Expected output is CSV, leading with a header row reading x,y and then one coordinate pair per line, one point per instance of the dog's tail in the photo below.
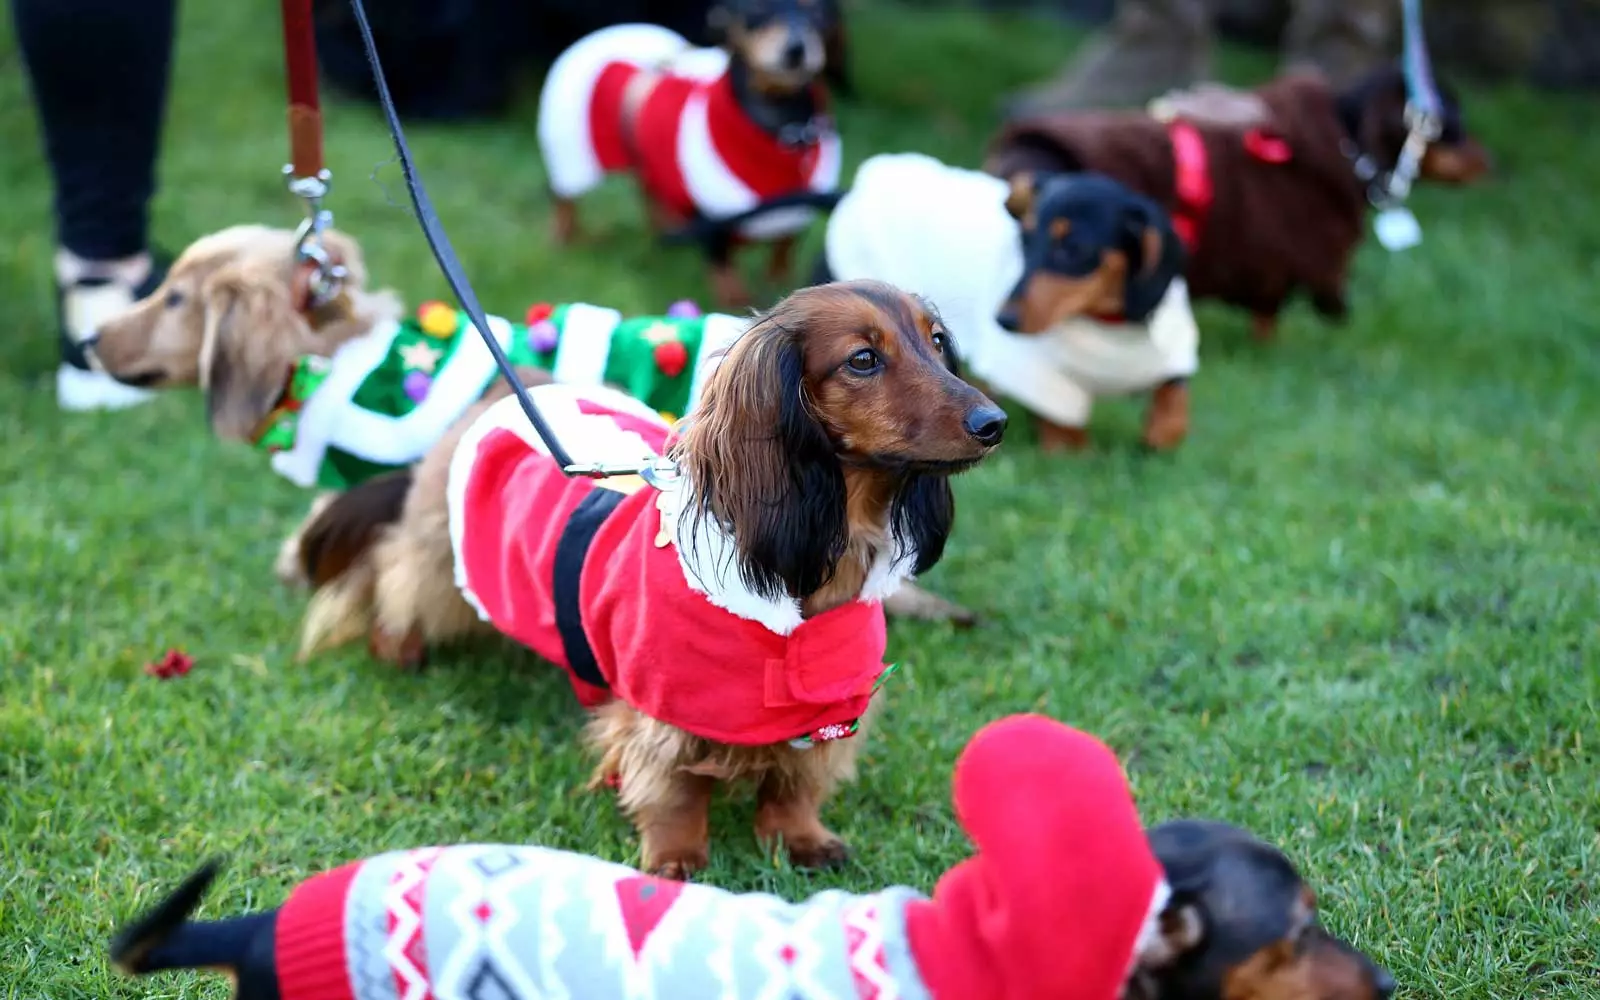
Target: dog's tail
x,y
335,555
164,938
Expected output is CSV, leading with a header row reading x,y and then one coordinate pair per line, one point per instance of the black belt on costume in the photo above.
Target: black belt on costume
x,y
571,549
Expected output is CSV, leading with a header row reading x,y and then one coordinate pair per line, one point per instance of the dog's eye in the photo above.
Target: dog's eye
x,y
863,361
174,299
940,341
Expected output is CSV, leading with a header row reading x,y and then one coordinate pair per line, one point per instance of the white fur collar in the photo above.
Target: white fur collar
x,y
706,554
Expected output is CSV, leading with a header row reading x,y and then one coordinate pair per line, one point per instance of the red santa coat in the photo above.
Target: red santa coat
x,y
597,581
692,147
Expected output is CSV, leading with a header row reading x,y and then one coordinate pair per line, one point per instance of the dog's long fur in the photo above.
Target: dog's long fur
x,y
813,470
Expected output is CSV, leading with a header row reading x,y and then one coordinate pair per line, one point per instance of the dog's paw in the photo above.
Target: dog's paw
x,y
404,650
679,868
820,855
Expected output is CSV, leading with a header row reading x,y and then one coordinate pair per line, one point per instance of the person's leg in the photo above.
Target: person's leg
x,y
1342,39
98,71
1151,47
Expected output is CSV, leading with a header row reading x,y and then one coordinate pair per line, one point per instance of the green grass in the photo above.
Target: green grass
x,y
1356,613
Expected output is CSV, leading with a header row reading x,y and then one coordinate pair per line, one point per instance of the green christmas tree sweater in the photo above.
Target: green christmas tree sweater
x,y
382,400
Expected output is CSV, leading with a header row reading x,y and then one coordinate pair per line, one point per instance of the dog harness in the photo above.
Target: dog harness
x,y
694,150
1191,181
383,399
1061,894
612,581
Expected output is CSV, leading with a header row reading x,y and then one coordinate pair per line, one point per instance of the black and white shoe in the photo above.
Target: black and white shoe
x,y
84,306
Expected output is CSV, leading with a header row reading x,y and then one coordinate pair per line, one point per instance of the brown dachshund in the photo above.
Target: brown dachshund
x,y
728,627
1241,924
1269,189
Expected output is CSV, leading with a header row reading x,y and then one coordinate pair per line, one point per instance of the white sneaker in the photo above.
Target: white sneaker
x,y
84,306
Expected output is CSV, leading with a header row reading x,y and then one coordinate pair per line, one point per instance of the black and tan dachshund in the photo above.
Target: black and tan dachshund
x,y
1242,925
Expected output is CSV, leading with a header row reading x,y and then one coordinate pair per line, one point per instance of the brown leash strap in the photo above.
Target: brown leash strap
x,y
305,113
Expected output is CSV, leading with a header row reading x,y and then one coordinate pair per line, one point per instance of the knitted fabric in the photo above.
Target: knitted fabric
x,y
674,631
1056,903
944,232
383,399
694,150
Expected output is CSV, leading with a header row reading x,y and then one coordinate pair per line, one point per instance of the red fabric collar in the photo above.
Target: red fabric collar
x,y
758,159
1116,319
663,647
1191,182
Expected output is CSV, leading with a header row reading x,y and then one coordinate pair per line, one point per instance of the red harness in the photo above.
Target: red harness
x,y
1191,182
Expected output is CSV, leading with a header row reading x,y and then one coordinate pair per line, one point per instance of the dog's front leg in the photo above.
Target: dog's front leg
x,y
1055,437
789,805
563,221
1167,423
780,265
673,817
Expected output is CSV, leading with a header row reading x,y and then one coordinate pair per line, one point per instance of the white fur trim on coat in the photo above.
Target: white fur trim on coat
x,y
565,142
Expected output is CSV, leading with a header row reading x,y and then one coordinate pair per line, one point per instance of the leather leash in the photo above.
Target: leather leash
x,y
658,471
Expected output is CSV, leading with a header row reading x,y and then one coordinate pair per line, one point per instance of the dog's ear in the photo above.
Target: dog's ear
x,y
922,516
763,466
1180,929
1156,257
1019,200
252,334
720,25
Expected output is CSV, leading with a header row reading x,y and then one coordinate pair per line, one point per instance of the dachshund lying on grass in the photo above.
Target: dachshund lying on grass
x,y
1269,188
1065,898
232,317
725,626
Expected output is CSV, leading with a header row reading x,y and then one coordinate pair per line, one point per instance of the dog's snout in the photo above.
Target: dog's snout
x,y
1010,317
987,424
794,51
1383,984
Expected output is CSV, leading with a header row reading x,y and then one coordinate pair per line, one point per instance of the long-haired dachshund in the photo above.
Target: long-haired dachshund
x,y
709,133
726,625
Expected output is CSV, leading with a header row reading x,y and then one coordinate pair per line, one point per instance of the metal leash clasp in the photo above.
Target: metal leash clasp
x,y
327,276
1422,128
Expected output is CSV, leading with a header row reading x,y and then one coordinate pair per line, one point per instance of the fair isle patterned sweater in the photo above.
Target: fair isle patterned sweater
x,y
1060,897
489,922
384,398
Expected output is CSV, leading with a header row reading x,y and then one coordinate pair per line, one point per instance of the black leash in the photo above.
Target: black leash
x,y
445,255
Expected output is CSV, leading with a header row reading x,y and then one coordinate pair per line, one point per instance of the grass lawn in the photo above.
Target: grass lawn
x,y
1355,613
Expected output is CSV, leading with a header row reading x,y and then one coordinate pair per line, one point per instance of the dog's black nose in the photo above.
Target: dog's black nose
x,y
987,424
1383,983
1010,317
794,53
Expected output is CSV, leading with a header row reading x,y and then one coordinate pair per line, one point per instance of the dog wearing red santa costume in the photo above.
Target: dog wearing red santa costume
x,y
1063,900
709,133
723,621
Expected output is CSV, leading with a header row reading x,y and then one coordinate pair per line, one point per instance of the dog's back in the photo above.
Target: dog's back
x,y
1270,227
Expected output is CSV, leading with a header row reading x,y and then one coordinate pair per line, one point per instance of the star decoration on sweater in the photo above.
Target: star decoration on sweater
x,y
421,356
660,332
